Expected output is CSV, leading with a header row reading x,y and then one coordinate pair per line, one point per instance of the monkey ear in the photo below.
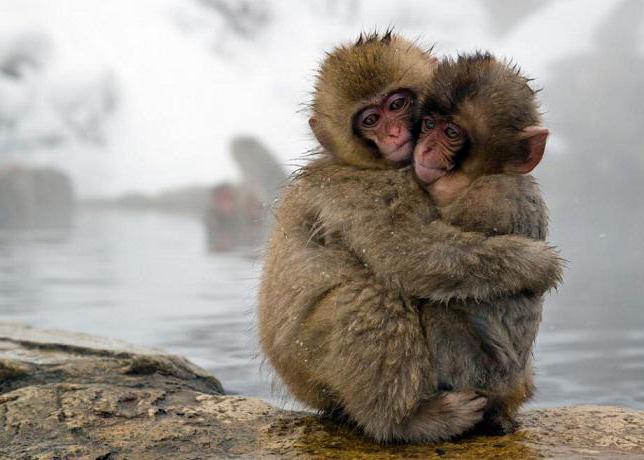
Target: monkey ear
x,y
318,133
535,138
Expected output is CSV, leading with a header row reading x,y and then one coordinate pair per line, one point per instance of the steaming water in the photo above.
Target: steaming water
x,y
146,278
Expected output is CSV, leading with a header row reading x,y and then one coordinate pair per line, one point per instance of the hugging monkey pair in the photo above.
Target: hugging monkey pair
x,y
404,280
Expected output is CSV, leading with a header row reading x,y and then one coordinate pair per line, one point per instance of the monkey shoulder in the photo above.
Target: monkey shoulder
x,y
363,188
500,204
327,198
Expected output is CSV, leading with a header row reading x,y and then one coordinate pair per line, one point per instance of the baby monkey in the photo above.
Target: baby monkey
x,y
481,120
366,98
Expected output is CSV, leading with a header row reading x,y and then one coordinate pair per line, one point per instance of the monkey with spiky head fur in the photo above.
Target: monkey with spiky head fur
x,y
357,239
480,133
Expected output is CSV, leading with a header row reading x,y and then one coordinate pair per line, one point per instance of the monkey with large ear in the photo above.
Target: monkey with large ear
x,y
480,134
356,239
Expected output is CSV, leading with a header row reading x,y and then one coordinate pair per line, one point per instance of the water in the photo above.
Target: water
x,y
143,277
146,278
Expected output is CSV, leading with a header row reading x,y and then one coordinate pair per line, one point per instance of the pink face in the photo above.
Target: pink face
x,y
388,125
436,149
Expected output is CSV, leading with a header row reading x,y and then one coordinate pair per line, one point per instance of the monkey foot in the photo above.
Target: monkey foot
x,y
496,425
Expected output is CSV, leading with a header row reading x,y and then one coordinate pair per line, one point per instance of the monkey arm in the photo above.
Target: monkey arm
x,y
298,274
500,204
300,265
442,263
388,222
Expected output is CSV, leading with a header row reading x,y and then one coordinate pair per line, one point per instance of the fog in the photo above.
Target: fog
x,y
140,105
183,77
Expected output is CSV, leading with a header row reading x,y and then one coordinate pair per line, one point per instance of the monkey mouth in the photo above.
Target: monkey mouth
x,y
401,152
403,144
429,174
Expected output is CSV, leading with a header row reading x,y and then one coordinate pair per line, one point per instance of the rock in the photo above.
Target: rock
x,y
68,395
38,357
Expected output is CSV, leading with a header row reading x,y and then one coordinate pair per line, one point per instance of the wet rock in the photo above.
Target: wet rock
x,y
38,357
75,396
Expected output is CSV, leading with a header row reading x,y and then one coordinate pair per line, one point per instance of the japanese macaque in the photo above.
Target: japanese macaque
x,y
362,115
480,121
356,240
480,118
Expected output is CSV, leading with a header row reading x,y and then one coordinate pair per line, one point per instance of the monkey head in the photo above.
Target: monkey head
x,y
480,117
365,100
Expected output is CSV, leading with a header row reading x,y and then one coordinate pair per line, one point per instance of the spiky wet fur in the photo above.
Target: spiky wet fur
x,y
352,249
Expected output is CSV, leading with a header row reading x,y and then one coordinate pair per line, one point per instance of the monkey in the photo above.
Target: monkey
x,y
480,120
374,129
356,239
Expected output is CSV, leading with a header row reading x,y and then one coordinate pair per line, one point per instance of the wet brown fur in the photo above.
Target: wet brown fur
x,y
496,334
352,248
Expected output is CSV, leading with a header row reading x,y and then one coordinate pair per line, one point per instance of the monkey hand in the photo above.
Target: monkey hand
x,y
529,265
473,266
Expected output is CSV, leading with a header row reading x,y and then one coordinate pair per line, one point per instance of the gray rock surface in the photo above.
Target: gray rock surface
x,y
65,395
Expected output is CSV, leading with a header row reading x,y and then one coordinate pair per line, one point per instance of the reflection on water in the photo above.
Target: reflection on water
x,y
148,279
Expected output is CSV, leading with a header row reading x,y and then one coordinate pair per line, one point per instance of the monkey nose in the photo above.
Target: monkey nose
x,y
394,132
425,152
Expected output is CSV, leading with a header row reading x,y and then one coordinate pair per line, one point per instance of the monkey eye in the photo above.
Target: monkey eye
x,y
452,131
398,103
370,120
428,123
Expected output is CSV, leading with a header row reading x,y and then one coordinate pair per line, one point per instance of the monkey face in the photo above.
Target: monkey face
x,y
438,145
388,123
